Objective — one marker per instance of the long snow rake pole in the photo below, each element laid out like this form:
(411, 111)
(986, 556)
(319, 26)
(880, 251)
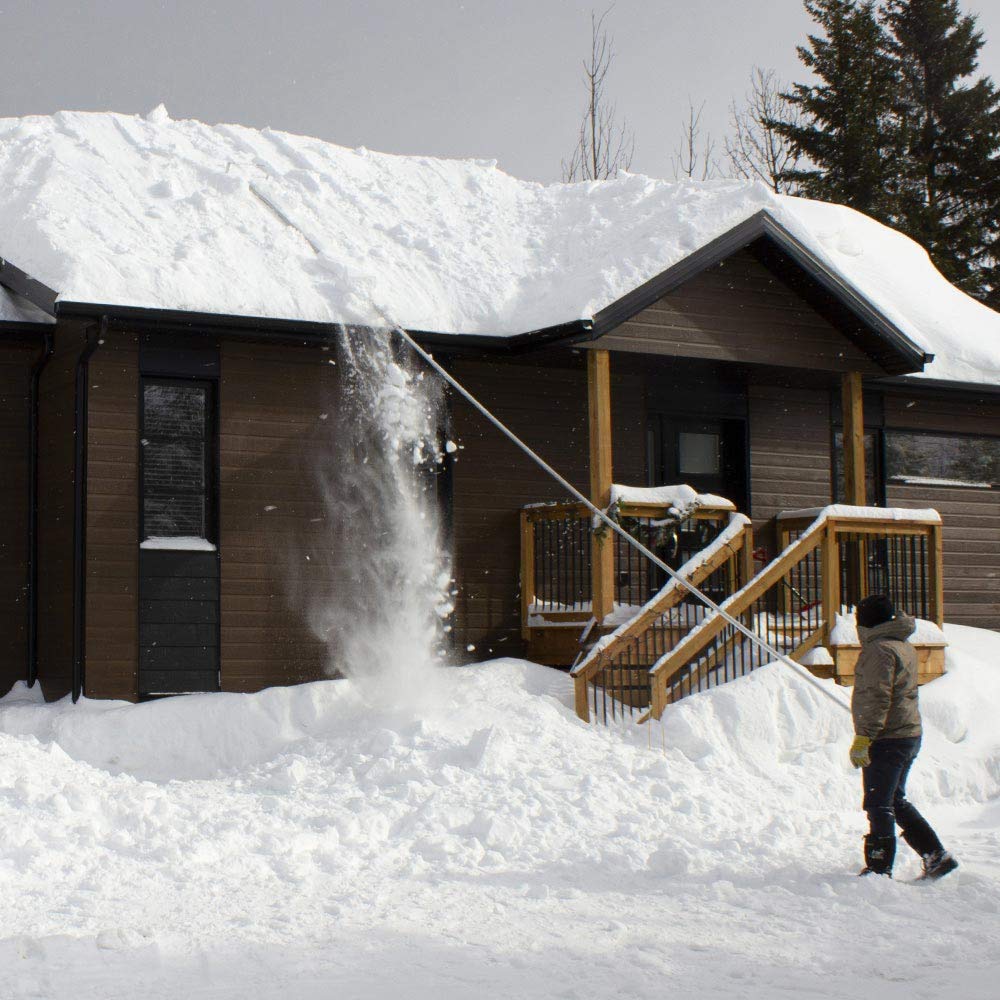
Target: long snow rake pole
(566, 485)
(609, 522)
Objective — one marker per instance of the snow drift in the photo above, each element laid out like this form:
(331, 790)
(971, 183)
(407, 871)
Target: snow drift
(713, 844)
(168, 214)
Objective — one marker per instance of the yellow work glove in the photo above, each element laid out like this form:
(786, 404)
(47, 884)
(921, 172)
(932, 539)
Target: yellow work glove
(860, 757)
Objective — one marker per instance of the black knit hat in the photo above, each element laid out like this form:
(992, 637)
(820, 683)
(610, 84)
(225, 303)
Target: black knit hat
(874, 611)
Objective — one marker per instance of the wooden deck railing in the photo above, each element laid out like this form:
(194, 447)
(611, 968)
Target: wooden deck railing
(829, 559)
(900, 554)
(556, 551)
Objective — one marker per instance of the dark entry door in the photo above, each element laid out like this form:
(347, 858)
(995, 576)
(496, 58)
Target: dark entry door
(707, 454)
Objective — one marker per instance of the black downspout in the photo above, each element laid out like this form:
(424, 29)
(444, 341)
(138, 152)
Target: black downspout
(80, 429)
(32, 624)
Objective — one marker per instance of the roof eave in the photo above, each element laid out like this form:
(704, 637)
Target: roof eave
(142, 319)
(27, 287)
(912, 358)
(941, 385)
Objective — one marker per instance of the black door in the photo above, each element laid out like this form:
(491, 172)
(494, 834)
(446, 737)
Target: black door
(709, 455)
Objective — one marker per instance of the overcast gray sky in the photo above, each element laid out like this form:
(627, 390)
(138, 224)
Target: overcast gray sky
(498, 79)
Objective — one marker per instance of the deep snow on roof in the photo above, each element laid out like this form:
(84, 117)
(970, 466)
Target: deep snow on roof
(151, 212)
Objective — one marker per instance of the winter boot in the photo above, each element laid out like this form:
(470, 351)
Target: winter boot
(936, 866)
(880, 852)
(917, 832)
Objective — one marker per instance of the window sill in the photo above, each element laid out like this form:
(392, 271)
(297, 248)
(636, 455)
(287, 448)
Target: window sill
(178, 544)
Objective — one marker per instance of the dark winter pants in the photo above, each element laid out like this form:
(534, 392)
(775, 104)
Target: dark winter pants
(885, 795)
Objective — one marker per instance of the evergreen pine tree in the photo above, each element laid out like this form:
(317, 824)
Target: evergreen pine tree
(844, 135)
(947, 131)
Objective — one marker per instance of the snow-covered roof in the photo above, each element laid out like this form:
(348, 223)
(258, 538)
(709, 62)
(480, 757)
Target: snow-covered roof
(151, 212)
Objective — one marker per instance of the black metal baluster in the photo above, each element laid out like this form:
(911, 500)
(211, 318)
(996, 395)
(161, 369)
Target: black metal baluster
(924, 602)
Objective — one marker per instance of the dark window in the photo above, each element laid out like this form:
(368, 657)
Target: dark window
(176, 467)
(698, 454)
(873, 492)
(942, 459)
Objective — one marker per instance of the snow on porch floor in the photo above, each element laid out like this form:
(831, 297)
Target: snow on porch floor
(299, 844)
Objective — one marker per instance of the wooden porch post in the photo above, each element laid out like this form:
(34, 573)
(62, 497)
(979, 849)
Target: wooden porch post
(854, 439)
(936, 574)
(599, 419)
(830, 569)
(855, 492)
(527, 572)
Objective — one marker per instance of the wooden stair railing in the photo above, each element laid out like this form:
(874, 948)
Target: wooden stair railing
(763, 605)
(620, 662)
(831, 559)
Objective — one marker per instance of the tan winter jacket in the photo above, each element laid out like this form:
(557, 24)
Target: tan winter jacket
(884, 701)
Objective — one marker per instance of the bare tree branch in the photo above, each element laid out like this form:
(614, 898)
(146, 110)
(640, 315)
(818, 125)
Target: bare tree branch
(695, 156)
(604, 145)
(755, 150)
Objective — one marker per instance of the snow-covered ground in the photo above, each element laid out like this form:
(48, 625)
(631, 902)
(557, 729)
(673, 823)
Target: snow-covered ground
(302, 844)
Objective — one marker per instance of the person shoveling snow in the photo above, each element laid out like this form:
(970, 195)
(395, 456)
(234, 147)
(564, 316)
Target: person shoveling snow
(888, 729)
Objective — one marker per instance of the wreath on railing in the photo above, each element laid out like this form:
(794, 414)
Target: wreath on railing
(665, 536)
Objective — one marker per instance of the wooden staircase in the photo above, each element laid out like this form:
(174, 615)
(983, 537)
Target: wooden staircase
(615, 674)
(829, 559)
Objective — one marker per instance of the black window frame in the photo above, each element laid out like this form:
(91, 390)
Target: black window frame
(938, 433)
(212, 474)
(876, 472)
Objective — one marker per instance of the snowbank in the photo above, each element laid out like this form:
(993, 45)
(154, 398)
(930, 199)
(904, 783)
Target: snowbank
(181, 215)
(498, 847)
(845, 632)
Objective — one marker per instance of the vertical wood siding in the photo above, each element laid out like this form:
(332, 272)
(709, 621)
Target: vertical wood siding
(15, 370)
(272, 513)
(112, 520)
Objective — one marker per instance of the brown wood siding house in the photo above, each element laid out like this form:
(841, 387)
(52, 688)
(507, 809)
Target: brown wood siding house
(741, 342)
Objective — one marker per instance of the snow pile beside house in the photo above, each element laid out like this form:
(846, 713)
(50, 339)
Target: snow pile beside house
(845, 632)
(497, 843)
(180, 215)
